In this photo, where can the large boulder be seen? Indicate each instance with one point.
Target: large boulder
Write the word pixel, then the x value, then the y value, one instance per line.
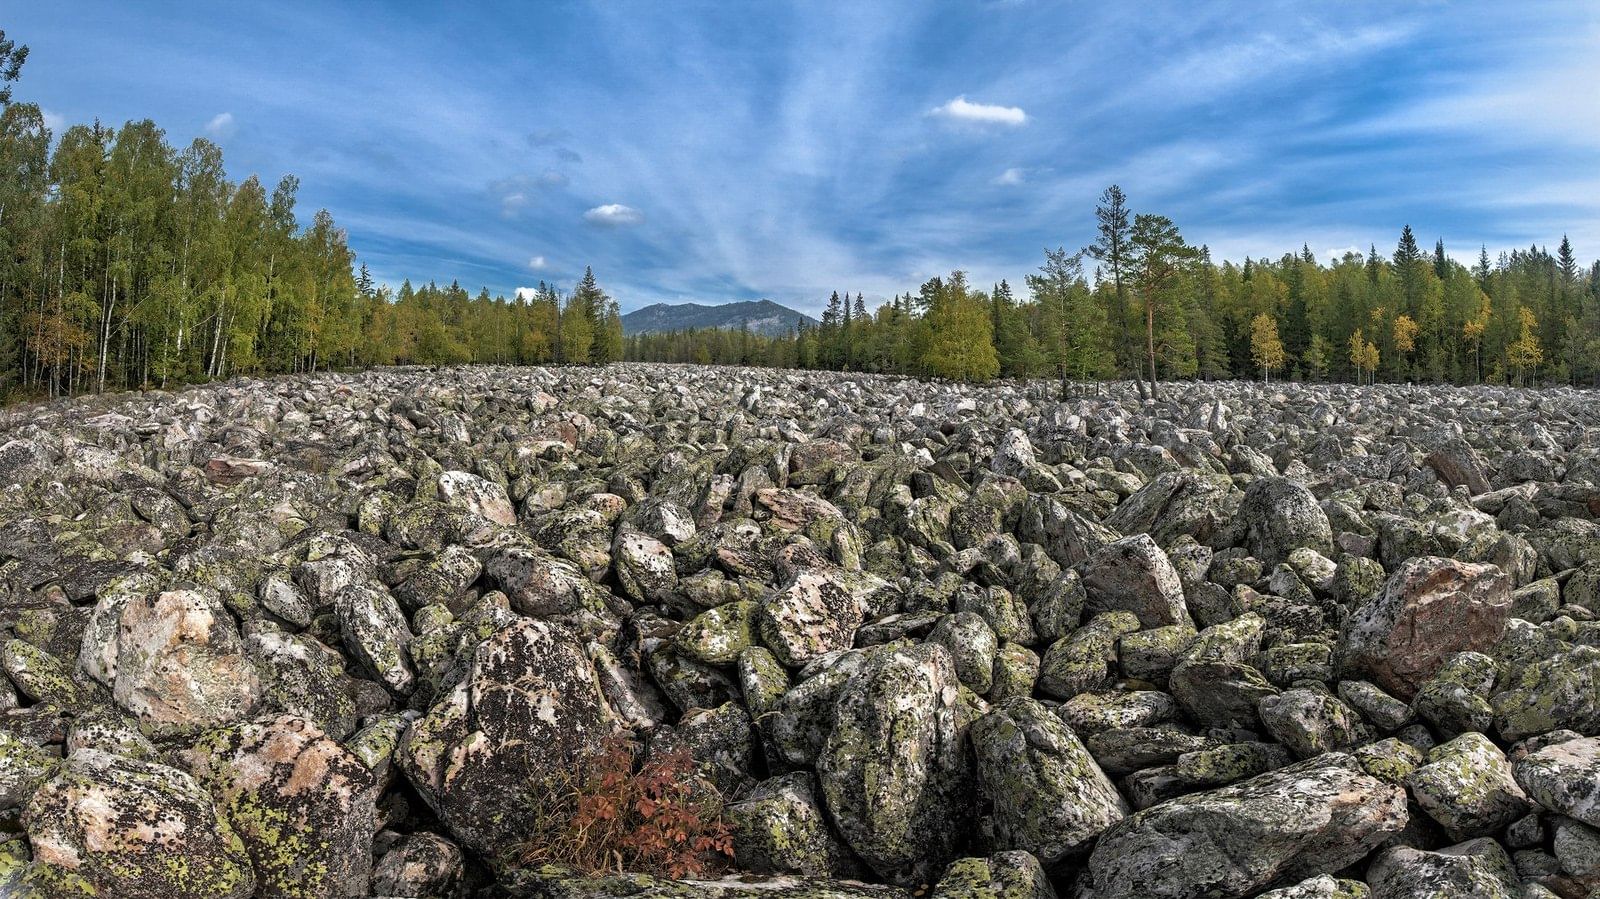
pixel 1430 609
pixel 179 663
pixel 1049 795
pixel 486 753
pixel 112 826
pixel 302 804
pixel 894 770
pixel 1134 575
pixel 1565 778
pixel 1476 869
pixel 1312 817
pixel 813 615
pixel 1280 517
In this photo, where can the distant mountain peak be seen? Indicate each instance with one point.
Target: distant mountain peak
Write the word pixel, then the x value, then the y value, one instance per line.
pixel 760 316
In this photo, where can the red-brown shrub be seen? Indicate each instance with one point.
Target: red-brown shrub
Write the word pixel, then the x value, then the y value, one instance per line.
pixel 661 818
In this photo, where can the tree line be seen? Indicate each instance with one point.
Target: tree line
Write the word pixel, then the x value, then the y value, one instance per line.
pixel 126 262
pixel 1156 307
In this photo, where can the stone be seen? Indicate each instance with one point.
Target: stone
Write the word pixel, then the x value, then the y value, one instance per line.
pixel 1476 869
pixel 179 664
pixel 1467 786
pixel 105 825
pixel 1282 516
pixel 809 617
pixel 1134 575
pixel 528 706
pixel 1049 795
pixel 1315 816
pixel 462 490
pixel 1564 778
pixel 303 806
pixel 1430 609
pixel 894 770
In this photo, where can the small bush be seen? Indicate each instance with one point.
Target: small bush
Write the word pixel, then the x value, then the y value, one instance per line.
pixel 606 816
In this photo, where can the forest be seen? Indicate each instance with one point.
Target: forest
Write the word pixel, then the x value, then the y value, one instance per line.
pixel 126 262
pixel 1157 308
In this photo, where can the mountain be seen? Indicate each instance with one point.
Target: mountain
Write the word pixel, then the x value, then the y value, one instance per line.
pixel 760 316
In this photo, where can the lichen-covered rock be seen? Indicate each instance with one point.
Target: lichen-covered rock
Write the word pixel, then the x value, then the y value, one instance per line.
pixel 717 636
pixel 478 496
pixel 179 663
pixel 1564 778
pixel 1561 691
pixel 1310 722
pixel 1467 786
pixel 1134 575
pixel 1312 817
pixel 420 864
pixel 109 826
pixel 1049 796
pixel 894 770
pixel 1476 869
pixel 377 635
pixel 809 617
pixel 972 646
pixel 528 706
pixel 1084 660
pixel 301 803
pixel 1322 886
pixel 23 767
pixel 1430 609
pixel 1004 875
pixel 1282 516
pixel 779 827
pixel 643 565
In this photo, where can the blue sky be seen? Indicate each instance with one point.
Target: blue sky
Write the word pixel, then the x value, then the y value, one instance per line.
pixel 734 150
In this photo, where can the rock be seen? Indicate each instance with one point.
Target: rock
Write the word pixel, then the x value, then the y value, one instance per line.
pixel 1429 610
pixel 1282 516
pixel 1476 869
pixel 1467 786
pixel 1049 795
pixel 643 565
pixel 478 496
pixel 111 826
pixel 811 616
pixel 779 827
pixel 1315 816
pixel 894 770
pixel 1310 722
pixel 1134 575
pixel 421 864
pixel 302 805
pixel 528 706
pixel 1011 875
pixel 1320 887
pixel 376 633
pixel 1458 465
pixel 179 664
pixel 1565 778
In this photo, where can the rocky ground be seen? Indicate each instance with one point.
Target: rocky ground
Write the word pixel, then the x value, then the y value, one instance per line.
pixel 335 635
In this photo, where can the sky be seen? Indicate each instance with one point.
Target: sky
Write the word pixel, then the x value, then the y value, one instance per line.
pixel 744 149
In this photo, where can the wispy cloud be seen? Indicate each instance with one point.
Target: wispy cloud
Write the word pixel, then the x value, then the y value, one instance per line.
pixel 55 121
pixel 520 191
pixel 1010 177
pixel 613 215
pixel 963 110
pixel 538 263
pixel 221 125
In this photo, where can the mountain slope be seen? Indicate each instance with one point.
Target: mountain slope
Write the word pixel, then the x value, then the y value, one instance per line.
pixel 761 316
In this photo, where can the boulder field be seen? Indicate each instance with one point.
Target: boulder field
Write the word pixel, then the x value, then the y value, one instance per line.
pixel 345 635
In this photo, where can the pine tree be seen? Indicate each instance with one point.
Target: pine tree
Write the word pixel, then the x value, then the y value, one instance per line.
pixel 1111 246
pixel 1157 254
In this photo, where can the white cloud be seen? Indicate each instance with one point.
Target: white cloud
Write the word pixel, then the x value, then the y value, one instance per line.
pixel 613 215
pixel 1011 177
pixel 55 121
pixel 517 192
pixel 221 125
pixel 538 263
pixel 963 110
pixel 1339 253
pixel 527 293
